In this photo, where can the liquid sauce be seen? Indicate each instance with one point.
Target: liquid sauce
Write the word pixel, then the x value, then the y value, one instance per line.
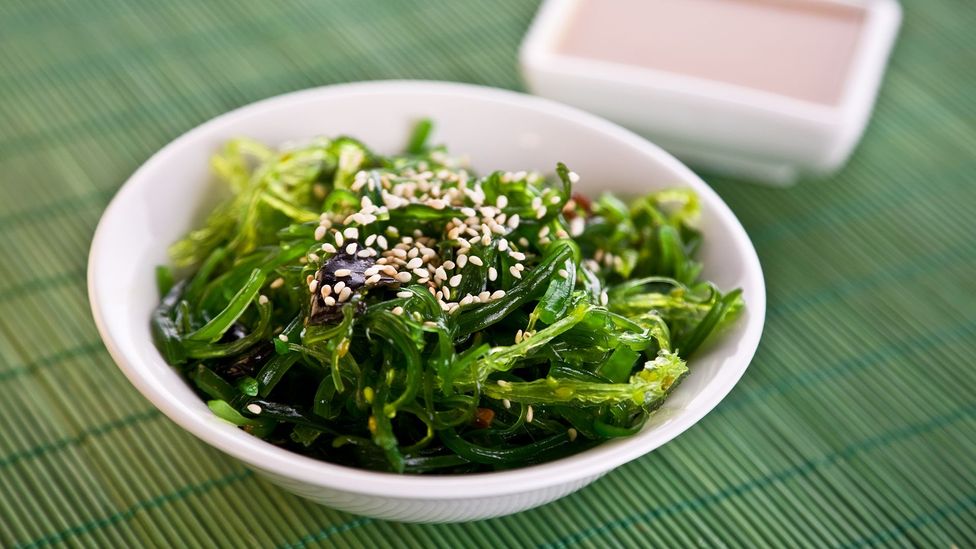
pixel 797 48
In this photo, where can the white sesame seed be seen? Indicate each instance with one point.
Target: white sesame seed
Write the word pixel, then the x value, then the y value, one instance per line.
pixel 544 231
pixel 492 274
pixel 486 240
pixel 449 265
pixel 524 242
pixel 403 277
pixel 506 403
pixel 373 279
pixel 330 301
pixel 502 245
pixel 468 212
pixel 529 414
pixel 365 252
pixel 576 226
pixel 351 232
pixel 571 434
pixel 338 239
pixel 370 239
pixel 381 240
pixel 389 270
pixel 574 178
pixel 283 337
pixel 308 279
pixel 372 270
pixel 437 204
pixel 604 298
pixel 515 272
pixel 466 300
pixel 325 291
pixel 338 286
pixel 421 273
pixel 517 256
pixel 563 273
pixel 540 212
pixel 313 286
pixel 313 257
pixel 484 296
pixel 345 293
pixel 397 310
pixel 520 267
pixel 405 294
pixel 455 281
pixel 415 263
pixel 329 248
pixel 397 252
pixel 462 260
pixel 555 200
pixel 440 273
pixel 503 383
pixel 342 273
pixel 475 260
pixel 351 248
pixel 513 222
pixel 254 409
pixel 262 299
pixel 502 201
pixel 277 283
pixel 320 232
pixel 518 336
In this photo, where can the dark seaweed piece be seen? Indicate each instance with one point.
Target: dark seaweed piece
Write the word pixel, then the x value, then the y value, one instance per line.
pixel 322 313
pixel 246 364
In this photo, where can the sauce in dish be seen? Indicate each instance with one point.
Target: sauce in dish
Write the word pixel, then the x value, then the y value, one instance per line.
pixel 797 48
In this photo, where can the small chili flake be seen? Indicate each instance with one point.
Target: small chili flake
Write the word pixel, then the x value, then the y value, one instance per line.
pixel 483 418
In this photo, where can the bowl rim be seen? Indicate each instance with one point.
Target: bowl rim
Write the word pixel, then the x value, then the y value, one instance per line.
pixel 283 463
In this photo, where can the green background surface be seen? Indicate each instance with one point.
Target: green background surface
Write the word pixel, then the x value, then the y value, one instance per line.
pixel 855 424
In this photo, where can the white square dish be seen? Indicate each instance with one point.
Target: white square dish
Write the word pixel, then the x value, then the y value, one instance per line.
pixel 769 90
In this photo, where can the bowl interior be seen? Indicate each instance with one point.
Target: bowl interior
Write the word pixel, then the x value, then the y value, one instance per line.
pixel 172 192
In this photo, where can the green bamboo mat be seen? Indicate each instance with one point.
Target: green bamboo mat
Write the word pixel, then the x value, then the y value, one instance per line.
pixel 855 425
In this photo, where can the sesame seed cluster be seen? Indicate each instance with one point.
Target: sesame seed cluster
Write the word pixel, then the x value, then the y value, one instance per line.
pixel 434 259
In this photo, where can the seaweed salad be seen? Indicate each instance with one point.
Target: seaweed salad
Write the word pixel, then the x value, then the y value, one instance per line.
pixel 404 314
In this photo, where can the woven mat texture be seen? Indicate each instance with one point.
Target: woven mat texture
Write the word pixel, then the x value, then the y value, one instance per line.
pixel 855 424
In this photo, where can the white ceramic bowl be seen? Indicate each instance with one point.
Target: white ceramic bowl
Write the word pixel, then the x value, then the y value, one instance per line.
pixel 171 192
